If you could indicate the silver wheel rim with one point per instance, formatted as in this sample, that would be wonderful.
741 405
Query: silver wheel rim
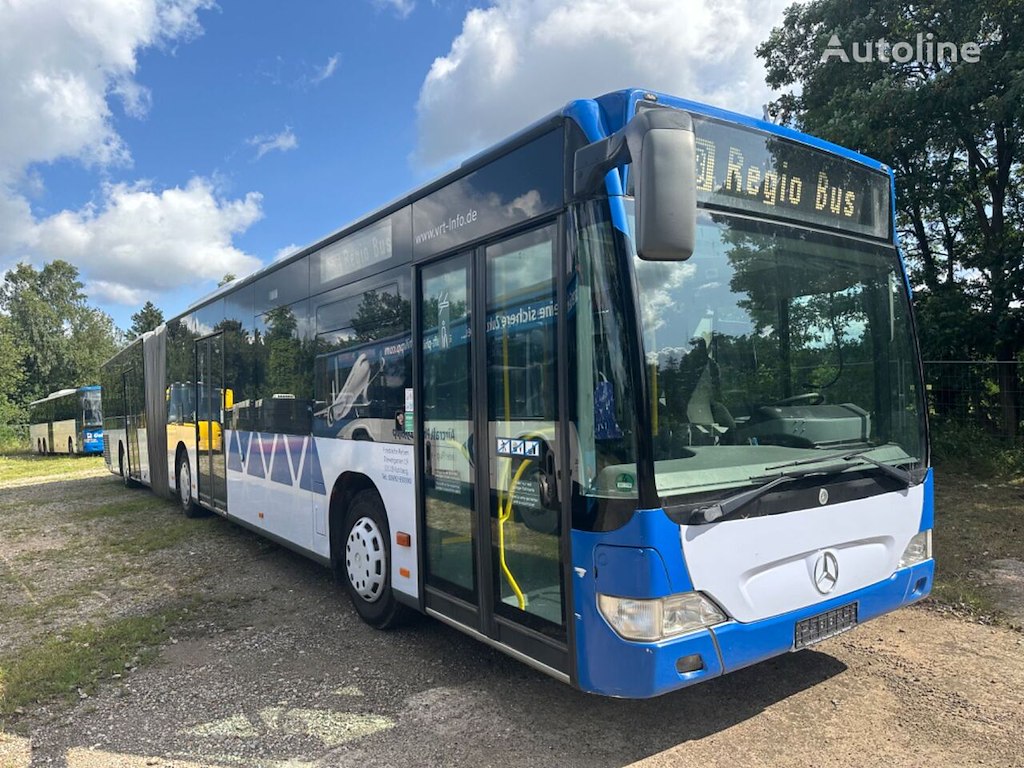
185 484
365 560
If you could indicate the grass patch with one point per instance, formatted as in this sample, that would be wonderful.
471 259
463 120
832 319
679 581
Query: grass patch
46 608
975 523
120 509
160 534
31 465
79 659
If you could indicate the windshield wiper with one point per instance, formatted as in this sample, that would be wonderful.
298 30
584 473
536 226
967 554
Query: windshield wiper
732 504
844 455
907 478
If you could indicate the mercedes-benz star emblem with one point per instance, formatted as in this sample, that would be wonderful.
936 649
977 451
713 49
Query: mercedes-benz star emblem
826 573
823 497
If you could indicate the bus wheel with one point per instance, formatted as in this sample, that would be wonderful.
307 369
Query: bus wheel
184 474
125 474
71 447
363 562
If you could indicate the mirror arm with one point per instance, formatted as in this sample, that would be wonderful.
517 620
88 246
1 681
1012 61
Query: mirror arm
593 161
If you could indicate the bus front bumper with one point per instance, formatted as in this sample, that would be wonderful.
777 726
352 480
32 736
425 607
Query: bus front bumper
613 666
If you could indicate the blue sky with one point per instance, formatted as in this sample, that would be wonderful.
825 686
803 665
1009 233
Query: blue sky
158 144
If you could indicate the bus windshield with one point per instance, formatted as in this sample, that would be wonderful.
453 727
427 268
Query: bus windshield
774 343
92 411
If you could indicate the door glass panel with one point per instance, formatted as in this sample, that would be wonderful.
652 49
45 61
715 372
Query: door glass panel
216 395
210 401
131 427
203 419
522 413
448 428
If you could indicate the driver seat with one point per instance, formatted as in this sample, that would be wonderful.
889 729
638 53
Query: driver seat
709 419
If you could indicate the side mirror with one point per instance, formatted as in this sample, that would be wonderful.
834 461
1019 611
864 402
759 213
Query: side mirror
659 144
665 180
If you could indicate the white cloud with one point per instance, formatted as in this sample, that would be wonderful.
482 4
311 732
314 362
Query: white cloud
517 60
139 240
401 8
105 292
59 62
327 70
283 141
61 66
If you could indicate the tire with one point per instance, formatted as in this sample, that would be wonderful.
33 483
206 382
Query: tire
183 483
547 517
362 562
125 473
71 447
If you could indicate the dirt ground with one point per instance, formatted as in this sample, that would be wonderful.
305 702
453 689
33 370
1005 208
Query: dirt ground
272 669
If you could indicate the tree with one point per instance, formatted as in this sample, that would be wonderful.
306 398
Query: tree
11 374
62 340
146 319
951 131
229 277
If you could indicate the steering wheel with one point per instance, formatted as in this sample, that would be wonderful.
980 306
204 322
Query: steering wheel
806 398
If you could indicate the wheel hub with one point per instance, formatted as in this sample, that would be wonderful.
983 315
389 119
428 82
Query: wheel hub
185 489
365 559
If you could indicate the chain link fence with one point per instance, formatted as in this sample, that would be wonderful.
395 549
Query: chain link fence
979 396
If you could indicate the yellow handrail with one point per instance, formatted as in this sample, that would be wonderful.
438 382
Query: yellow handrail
504 513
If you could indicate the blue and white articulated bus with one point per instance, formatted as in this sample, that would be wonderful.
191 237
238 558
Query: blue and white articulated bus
633 396
67 421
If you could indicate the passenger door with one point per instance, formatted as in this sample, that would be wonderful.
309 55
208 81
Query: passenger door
493 532
211 472
131 425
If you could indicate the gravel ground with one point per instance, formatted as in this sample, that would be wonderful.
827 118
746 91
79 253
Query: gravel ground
275 669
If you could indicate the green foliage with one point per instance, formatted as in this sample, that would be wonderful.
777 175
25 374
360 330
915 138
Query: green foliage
50 332
953 133
285 356
12 374
146 319
79 659
13 439
968 449
381 314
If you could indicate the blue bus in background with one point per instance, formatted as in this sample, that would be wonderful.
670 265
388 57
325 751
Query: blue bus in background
634 396
68 421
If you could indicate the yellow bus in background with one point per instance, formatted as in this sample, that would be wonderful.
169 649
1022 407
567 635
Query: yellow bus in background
182 414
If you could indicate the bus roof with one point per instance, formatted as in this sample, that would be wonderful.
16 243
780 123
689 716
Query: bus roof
614 108
55 395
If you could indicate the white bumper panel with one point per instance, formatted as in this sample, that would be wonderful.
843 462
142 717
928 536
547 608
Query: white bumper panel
763 566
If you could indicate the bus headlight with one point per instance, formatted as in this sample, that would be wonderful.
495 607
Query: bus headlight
918 550
636 619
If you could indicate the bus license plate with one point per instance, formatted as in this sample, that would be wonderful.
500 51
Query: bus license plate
824 625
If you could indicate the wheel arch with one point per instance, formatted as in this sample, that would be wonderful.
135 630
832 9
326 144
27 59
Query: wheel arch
181 449
344 490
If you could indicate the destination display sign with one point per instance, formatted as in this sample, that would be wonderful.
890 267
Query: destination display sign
359 250
751 171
